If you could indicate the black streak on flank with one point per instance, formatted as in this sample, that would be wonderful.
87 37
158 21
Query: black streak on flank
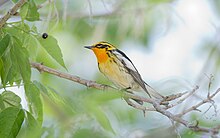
109 55
99 67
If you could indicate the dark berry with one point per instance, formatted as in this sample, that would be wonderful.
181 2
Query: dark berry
44 35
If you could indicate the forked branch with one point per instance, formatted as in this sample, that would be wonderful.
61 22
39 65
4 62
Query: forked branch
156 104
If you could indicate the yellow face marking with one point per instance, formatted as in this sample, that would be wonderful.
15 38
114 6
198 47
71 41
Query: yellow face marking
111 47
101 50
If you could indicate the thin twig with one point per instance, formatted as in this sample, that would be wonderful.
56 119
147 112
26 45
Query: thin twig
156 103
184 98
11 12
138 106
208 99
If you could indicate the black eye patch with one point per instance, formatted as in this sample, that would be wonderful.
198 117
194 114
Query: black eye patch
101 46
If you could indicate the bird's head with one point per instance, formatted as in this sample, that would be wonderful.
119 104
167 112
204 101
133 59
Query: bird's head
101 50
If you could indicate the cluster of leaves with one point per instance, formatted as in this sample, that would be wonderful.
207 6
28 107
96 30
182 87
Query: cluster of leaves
17 42
20 43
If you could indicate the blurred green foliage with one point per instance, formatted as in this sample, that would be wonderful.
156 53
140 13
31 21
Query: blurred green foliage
59 108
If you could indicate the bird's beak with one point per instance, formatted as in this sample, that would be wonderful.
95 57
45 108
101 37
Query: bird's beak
89 47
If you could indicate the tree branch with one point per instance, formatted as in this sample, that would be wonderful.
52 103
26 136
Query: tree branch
154 102
208 99
11 12
184 98
88 83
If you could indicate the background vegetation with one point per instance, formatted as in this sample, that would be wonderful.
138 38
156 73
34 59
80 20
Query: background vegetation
34 104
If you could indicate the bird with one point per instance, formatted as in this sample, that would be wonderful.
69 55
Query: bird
120 70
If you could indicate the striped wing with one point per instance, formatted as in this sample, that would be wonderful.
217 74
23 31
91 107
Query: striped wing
130 68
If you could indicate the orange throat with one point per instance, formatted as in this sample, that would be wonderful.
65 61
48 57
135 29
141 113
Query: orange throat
101 55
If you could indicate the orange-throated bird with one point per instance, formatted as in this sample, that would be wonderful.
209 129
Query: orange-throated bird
119 69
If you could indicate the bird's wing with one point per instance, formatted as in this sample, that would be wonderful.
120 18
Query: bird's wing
130 68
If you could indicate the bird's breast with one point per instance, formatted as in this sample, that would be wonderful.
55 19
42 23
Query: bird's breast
116 73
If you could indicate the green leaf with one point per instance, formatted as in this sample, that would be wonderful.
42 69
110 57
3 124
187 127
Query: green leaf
15 1
24 10
52 48
88 133
11 120
34 101
20 30
32 13
102 119
53 96
32 128
10 99
41 87
13 75
32 122
34 29
4 43
2 106
7 63
102 98
1 72
19 56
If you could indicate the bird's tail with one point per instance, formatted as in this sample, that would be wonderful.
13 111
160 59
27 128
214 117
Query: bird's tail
153 92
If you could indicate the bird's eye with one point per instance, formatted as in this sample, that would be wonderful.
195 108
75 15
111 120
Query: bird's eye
101 46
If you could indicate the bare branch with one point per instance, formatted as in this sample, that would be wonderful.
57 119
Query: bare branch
208 99
155 102
11 12
138 106
184 98
88 83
